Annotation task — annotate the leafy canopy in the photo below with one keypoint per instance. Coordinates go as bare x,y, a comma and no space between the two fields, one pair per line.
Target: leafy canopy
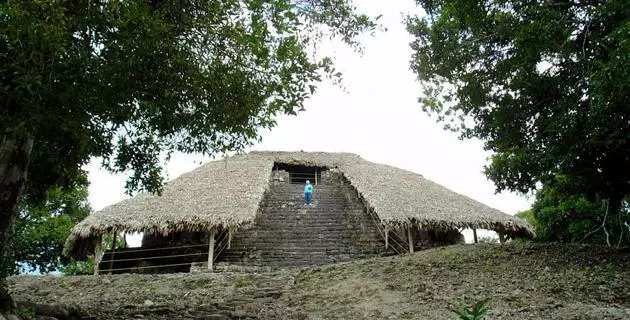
545,84
133,81
41,230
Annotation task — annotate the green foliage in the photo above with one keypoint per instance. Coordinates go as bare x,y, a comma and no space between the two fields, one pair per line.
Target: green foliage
41,230
120,241
543,83
492,240
476,312
25,312
133,81
561,213
528,215
79,267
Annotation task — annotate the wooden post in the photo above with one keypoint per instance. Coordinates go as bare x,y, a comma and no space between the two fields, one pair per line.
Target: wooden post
501,237
410,239
211,249
229,237
111,258
97,254
475,234
386,238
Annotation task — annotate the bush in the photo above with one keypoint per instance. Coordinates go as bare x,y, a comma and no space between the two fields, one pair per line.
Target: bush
488,239
79,267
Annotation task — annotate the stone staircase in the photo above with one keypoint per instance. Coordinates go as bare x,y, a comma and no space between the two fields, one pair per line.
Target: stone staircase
288,233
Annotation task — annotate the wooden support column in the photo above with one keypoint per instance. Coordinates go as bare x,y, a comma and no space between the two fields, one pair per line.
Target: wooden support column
230,234
501,237
315,176
386,238
111,258
211,249
475,234
97,254
410,239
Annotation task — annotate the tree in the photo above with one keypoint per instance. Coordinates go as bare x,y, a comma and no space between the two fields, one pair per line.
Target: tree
41,230
545,85
131,81
562,213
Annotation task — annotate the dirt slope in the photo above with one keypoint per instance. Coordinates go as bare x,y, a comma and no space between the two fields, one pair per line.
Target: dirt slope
521,281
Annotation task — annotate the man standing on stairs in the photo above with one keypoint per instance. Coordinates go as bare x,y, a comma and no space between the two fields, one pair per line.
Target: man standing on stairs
308,193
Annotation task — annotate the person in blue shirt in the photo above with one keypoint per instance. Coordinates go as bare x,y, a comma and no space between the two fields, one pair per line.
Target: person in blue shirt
308,192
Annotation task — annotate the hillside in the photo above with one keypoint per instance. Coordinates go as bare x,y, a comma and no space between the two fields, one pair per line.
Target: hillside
522,281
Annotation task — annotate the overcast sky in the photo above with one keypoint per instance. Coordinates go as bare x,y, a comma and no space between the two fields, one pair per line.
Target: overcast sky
377,117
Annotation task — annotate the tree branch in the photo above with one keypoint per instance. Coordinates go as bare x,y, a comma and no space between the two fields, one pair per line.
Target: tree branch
621,227
601,226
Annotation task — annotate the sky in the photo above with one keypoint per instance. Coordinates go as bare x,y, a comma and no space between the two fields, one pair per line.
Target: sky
376,115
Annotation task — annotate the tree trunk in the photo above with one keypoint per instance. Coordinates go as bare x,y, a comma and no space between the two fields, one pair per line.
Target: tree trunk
615,207
15,155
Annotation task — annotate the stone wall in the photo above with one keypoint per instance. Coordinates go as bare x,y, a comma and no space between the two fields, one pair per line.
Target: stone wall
332,176
326,177
280,177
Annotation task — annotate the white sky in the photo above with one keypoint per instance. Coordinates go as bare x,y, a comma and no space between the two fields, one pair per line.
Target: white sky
378,118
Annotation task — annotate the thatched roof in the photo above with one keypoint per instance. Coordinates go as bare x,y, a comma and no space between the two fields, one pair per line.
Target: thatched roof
228,193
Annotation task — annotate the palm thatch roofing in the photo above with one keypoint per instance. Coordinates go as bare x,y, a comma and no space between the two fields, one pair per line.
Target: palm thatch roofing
227,193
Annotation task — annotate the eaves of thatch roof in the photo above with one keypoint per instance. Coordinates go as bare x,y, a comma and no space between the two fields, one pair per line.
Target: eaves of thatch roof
228,193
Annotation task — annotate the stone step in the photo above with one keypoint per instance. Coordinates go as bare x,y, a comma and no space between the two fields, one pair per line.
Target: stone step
301,225
299,232
340,246
331,192
233,253
305,250
310,218
320,199
307,215
297,255
299,202
289,233
311,212
310,209
287,186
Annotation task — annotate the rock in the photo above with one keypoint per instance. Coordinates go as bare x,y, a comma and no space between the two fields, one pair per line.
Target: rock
12,317
149,303
40,317
610,313
2,317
